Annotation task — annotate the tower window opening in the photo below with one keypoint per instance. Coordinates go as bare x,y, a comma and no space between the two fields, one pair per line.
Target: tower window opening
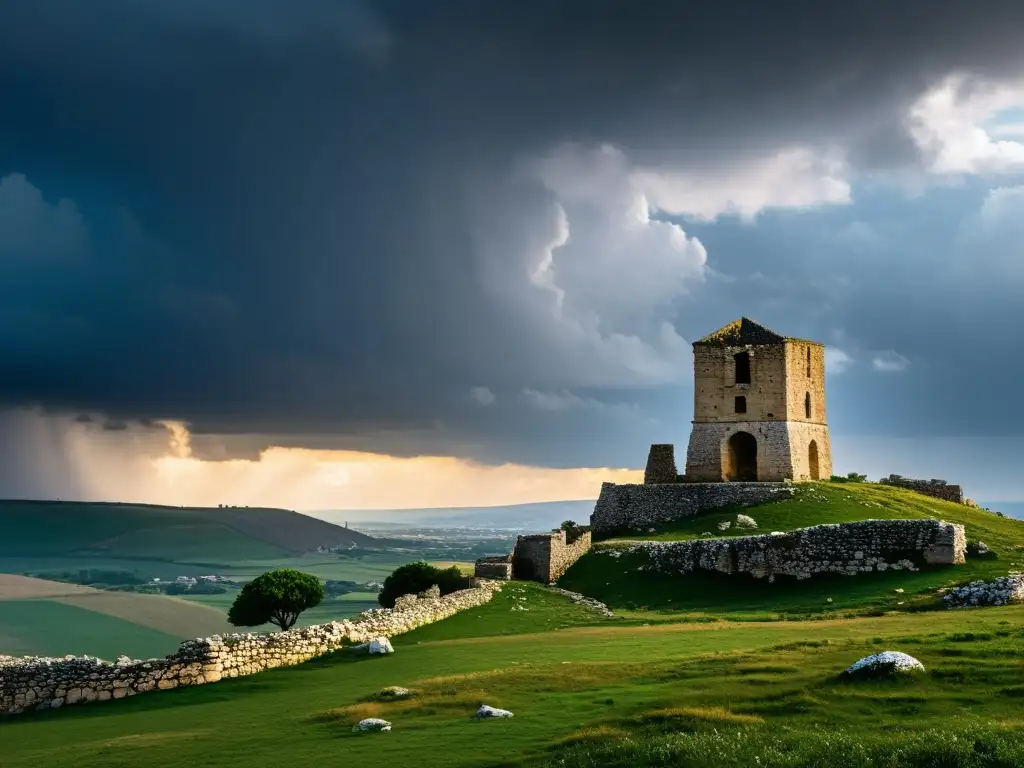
807,405
742,361
808,362
741,404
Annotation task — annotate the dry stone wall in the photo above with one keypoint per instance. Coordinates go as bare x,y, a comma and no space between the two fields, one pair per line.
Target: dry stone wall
938,489
33,683
497,568
848,548
635,508
545,557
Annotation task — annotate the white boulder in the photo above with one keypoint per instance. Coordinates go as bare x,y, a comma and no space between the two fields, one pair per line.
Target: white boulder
486,711
380,645
371,724
884,663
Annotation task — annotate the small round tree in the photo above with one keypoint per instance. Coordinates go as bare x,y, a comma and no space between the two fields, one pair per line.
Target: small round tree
413,578
276,597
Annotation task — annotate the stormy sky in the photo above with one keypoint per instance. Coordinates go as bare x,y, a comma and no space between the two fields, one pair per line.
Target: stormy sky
490,231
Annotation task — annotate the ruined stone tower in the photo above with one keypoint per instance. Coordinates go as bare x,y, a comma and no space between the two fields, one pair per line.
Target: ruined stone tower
758,407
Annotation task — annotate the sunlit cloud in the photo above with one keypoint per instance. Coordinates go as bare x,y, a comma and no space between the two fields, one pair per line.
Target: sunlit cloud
155,464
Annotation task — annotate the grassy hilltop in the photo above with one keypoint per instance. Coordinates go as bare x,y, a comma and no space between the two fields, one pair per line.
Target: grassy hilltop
686,681
618,583
586,691
58,541
55,528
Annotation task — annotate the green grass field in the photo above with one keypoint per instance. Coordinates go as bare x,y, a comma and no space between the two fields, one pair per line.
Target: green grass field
165,614
819,503
596,692
142,531
703,595
694,671
343,607
374,566
49,628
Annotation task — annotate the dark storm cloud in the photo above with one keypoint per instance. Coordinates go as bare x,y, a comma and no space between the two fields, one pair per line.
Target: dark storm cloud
275,208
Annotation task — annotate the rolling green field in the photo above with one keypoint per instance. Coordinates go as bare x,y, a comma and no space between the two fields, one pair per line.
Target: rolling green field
150,532
595,692
618,582
50,628
702,670
372,566
331,609
820,503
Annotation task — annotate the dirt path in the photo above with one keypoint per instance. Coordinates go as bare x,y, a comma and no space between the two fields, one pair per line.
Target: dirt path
14,587
180,618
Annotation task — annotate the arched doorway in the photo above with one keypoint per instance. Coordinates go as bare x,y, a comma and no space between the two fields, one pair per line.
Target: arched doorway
741,463
812,455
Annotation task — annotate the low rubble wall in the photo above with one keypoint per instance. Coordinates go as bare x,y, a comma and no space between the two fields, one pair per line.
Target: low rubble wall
625,508
850,548
28,683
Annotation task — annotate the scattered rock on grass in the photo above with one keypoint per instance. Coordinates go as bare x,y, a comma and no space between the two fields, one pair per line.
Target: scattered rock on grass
745,521
1003,591
884,664
392,693
589,602
380,645
371,724
486,711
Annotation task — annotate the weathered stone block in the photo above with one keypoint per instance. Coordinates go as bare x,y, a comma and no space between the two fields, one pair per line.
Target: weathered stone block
661,465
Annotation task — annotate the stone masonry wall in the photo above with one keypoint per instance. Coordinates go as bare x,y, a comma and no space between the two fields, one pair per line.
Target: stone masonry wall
661,464
783,450
636,508
800,436
848,548
545,557
497,568
800,382
715,387
784,379
42,683
938,489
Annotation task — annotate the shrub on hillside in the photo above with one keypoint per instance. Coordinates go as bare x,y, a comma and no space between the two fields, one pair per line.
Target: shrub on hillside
276,597
851,477
413,578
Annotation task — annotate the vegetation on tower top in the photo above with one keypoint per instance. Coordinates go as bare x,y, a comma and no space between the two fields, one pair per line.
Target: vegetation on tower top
745,331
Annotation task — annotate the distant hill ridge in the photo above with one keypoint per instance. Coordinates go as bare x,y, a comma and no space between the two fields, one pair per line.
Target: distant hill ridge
117,529
530,516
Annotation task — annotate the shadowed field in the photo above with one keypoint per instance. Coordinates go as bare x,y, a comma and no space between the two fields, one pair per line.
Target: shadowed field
576,689
40,617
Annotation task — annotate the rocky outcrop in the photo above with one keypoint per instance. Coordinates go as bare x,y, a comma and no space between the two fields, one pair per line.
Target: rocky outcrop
28,683
1003,591
849,548
622,509
589,602
937,489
